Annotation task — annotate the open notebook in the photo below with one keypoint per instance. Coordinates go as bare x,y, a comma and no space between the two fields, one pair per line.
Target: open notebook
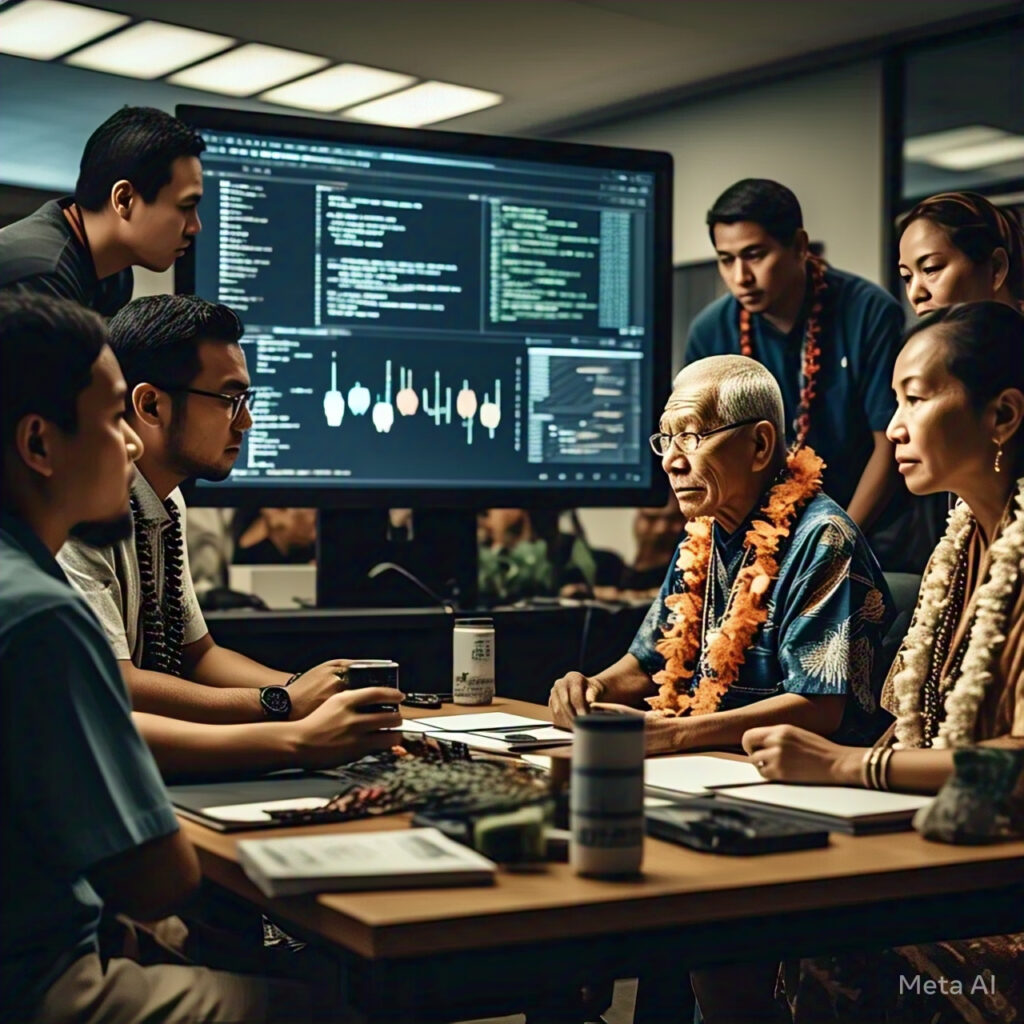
837,808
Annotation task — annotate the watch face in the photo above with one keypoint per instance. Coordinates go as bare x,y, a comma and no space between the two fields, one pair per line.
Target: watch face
275,701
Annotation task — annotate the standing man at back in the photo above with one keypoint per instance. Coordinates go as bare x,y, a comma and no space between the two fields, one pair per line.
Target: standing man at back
135,204
829,338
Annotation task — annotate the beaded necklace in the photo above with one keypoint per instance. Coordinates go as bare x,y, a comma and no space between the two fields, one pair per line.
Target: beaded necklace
711,623
811,350
940,708
936,684
163,625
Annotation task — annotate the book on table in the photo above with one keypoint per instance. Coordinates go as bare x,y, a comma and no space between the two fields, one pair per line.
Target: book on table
837,808
340,861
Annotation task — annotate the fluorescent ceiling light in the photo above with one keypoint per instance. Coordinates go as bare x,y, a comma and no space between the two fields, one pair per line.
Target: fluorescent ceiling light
984,154
426,103
247,70
920,147
44,29
338,87
149,50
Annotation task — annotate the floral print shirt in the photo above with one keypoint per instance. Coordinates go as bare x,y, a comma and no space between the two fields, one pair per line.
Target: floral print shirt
828,613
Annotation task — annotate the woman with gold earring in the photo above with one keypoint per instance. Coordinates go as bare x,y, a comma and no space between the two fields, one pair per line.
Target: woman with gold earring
958,680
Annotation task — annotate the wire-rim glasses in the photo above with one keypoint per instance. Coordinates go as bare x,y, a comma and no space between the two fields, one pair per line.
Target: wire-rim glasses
688,441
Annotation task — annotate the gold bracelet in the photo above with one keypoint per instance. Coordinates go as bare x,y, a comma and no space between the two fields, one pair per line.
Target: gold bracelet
883,769
865,779
876,754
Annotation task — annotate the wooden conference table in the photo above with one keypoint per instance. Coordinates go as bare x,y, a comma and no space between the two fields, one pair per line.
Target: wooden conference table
460,953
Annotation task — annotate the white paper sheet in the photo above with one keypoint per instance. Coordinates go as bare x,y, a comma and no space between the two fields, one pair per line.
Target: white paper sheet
539,732
488,720
845,802
258,811
697,775
538,761
413,725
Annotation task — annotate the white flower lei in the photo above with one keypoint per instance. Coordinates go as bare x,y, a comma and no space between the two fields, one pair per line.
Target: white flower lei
985,640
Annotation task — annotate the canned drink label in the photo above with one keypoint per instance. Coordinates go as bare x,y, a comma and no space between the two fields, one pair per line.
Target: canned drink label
473,663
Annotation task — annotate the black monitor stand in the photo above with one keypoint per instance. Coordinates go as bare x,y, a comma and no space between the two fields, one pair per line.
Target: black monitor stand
441,554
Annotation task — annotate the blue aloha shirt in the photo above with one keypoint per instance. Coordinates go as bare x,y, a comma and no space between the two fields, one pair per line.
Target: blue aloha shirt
828,612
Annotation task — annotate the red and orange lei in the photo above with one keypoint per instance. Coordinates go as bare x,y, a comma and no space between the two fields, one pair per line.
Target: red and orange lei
726,650
811,352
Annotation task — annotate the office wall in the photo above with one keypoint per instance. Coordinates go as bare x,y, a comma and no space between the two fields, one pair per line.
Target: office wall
821,134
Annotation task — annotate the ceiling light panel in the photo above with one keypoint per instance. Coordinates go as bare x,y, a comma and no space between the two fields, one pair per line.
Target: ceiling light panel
44,29
248,70
338,87
150,49
968,158
426,103
920,147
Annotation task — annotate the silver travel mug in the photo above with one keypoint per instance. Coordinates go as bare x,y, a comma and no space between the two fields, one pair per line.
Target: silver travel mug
606,795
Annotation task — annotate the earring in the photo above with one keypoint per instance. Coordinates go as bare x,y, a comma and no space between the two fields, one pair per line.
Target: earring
998,467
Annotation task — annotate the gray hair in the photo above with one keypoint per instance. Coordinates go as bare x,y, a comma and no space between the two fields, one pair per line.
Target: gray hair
732,388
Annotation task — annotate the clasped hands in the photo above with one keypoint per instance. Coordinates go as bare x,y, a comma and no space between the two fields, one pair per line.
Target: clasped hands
780,752
576,694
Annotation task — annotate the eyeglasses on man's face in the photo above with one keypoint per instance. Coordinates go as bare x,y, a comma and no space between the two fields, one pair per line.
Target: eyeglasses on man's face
238,401
688,441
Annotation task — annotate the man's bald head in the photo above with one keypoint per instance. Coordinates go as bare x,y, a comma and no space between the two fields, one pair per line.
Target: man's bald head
727,389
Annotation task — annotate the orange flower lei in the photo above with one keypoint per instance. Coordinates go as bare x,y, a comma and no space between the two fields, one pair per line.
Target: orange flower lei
811,366
726,650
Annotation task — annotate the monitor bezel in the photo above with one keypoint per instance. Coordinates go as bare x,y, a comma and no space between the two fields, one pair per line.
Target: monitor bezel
328,496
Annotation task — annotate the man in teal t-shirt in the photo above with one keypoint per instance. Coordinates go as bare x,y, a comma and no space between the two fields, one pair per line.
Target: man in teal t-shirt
85,823
789,310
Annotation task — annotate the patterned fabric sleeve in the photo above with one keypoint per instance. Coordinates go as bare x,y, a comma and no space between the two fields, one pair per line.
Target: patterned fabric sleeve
833,615
643,646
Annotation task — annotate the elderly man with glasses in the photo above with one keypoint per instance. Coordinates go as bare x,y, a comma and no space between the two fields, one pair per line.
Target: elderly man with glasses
775,608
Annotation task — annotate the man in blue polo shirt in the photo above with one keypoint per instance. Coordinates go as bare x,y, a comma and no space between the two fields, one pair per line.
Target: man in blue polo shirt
829,338
85,823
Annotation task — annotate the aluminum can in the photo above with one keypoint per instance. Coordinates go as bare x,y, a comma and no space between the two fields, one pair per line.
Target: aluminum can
473,661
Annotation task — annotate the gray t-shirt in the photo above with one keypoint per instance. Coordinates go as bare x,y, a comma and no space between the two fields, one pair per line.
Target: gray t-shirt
109,577
40,254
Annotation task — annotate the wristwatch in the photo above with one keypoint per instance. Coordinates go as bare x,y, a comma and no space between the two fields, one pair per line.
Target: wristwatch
276,702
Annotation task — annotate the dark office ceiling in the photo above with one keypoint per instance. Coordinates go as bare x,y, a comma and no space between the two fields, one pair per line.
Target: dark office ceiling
556,62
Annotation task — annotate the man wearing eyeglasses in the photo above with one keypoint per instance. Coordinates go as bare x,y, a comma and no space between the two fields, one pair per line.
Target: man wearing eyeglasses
814,661
188,395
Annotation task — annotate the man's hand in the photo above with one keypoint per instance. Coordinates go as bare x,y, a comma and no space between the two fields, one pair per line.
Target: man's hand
315,685
661,735
573,695
786,753
337,731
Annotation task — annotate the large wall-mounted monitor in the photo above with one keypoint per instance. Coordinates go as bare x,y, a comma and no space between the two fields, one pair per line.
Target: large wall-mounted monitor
436,319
